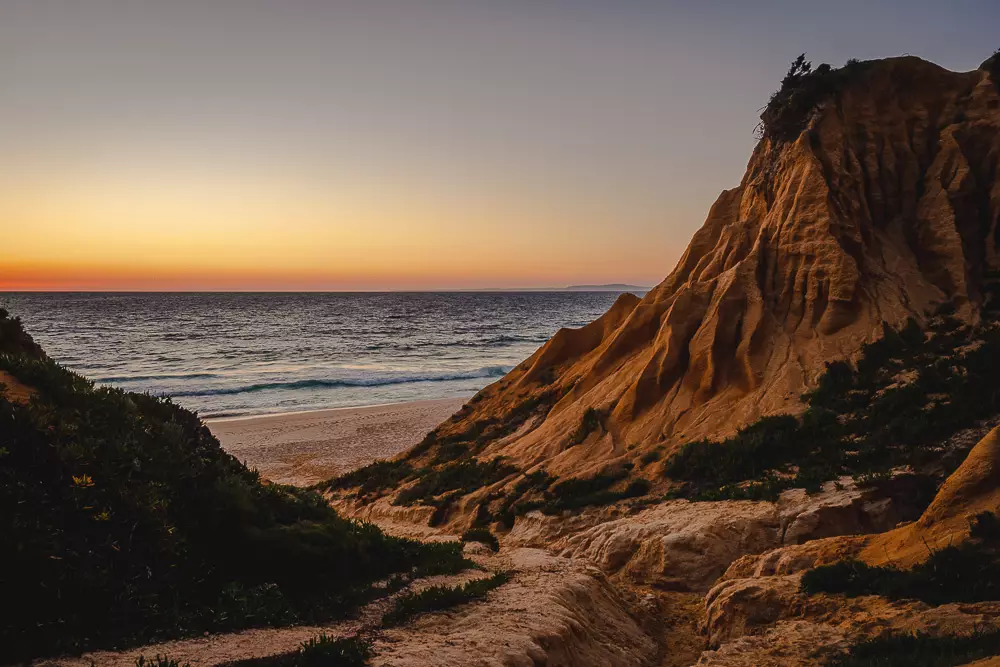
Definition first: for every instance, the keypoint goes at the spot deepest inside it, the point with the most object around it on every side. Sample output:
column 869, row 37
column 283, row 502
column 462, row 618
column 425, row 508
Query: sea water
column 235, row 354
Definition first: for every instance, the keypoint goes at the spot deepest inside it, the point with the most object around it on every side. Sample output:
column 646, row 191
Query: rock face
column 685, row 546
column 887, row 204
column 555, row 612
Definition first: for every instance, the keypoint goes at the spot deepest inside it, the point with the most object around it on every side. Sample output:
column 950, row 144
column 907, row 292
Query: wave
column 153, row 378
column 495, row 341
column 486, row 372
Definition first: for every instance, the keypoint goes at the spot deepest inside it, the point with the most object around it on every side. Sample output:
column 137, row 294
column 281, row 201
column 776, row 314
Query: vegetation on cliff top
column 802, row 90
column 124, row 521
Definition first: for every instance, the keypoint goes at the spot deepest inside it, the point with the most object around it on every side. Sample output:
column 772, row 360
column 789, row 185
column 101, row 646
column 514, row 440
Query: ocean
column 237, row 354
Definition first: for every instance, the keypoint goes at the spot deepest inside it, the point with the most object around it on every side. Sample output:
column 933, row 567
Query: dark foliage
column 159, row 661
column 992, row 66
column 482, row 535
column 860, row 421
column 651, row 456
column 920, row 650
column 374, row 478
column 802, row 90
column 441, row 487
column 14, row 340
column 513, row 503
column 124, row 521
column 437, row 598
column 969, row 572
column 576, row 493
column 460, row 477
column 591, row 421
column 475, row 437
column 321, row 651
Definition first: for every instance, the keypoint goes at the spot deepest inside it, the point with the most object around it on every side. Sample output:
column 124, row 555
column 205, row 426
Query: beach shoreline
column 306, row 447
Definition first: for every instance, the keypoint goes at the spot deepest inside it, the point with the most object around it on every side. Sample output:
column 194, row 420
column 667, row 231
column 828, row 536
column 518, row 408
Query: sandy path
column 308, row 447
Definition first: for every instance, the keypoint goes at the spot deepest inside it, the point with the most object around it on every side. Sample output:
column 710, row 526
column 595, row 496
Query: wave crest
column 486, row 372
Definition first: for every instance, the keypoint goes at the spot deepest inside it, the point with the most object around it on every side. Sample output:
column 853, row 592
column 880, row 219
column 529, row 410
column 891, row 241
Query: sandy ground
column 307, row 447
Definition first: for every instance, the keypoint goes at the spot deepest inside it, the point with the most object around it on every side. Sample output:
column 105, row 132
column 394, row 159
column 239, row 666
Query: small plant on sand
column 159, row 661
column 320, row 651
column 437, row 598
column 483, row 536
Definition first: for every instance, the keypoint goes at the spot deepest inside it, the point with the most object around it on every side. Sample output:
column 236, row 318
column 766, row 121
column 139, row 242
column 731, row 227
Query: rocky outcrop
column 682, row 545
column 760, row 593
column 887, row 204
column 555, row 612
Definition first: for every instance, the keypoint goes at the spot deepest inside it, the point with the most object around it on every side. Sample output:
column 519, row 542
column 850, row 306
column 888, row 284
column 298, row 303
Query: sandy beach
column 307, row 447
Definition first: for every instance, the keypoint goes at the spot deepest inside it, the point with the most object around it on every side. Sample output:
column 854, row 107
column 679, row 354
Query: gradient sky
column 417, row 144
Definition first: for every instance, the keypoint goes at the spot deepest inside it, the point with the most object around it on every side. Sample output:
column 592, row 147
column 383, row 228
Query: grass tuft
column 437, row 598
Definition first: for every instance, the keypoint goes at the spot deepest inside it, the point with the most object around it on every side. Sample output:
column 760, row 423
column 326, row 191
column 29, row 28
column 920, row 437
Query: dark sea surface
column 233, row 354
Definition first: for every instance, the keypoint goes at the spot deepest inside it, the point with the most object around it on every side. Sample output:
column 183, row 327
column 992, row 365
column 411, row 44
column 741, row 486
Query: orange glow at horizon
column 226, row 230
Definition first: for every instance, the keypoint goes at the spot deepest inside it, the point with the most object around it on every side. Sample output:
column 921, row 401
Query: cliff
column 883, row 207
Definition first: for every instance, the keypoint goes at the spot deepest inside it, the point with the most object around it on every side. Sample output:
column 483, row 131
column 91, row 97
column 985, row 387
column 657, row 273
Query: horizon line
column 570, row 288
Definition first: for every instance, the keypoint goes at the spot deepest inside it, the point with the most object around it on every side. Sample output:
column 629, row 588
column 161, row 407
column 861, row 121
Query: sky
column 415, row 144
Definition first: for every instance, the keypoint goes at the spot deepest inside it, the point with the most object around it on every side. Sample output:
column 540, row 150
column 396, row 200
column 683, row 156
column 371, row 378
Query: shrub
column 992, row 66
column 860, row 421
column 159, row 661
column 576, row 493
column 125, row 521
column 373, row 478
column 461, row 477
column 482, row 535
column 320, row 651
column 538, row 481
column 437, row 598
column 592, row 420
column 802, row 90
column 969, row 572
column 920, row 650
column 651, row 456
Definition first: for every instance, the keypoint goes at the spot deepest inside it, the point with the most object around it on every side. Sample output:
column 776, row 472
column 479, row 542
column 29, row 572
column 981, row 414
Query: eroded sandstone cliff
column 886, row 205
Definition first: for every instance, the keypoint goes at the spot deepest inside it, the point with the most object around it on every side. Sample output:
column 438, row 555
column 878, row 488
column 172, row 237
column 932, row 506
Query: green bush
column 437, row 598
column 859, row 422
column 920, row 650
column 124, row 521
column 966, row 573
column 482, row 535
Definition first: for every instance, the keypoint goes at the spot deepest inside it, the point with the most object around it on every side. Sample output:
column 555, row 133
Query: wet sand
column 307, row 447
